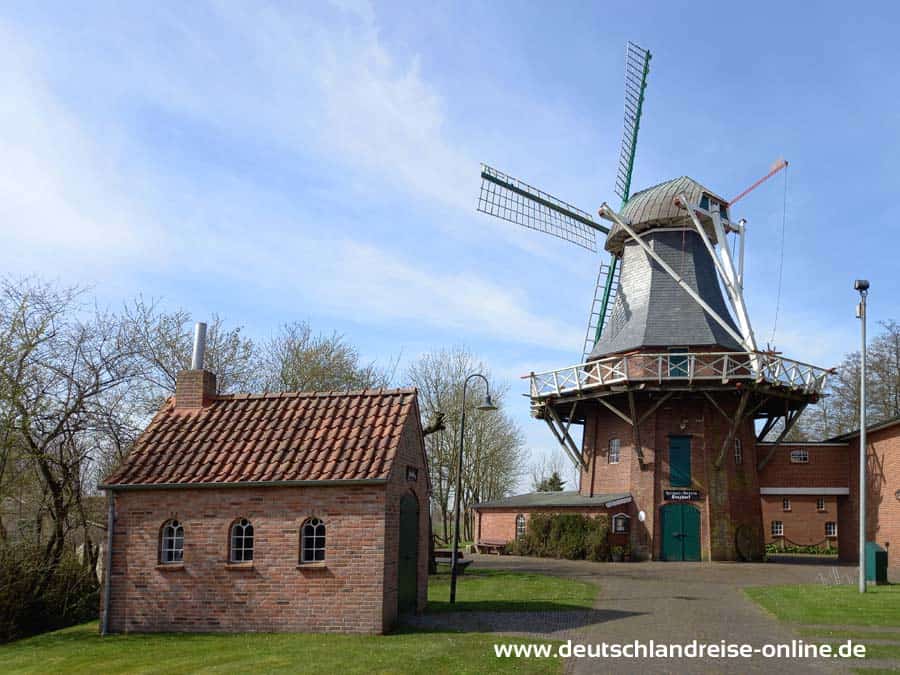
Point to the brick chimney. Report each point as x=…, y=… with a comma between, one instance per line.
x=195, y=388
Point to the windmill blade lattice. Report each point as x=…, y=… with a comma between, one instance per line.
x=518, y=202
x=637, y=66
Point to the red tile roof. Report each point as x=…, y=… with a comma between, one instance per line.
x=272, y=437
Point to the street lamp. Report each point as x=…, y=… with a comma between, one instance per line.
x=862, y=286
x=486, y=404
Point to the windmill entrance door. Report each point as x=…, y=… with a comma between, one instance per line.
x=680, y=532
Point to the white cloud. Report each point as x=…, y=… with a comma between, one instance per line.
x=89, y=203
x=57, y=188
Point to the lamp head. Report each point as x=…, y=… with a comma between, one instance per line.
x=861, y=285
x=487, y=403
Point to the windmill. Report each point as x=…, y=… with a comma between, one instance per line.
x=671, y=381
x=518, y=202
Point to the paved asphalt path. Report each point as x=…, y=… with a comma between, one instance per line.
x=666, y=602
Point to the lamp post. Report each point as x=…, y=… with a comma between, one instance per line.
x=487, y=404
x=862, y=286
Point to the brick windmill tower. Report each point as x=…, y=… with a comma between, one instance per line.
x=672, y=392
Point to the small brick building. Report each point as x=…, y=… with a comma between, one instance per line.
x=274, y=512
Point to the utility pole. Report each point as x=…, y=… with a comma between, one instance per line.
x=862, y=286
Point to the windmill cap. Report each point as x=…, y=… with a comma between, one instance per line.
x=655, y=207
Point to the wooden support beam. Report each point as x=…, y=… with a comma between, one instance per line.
x=616, y=411
x=635, y=429
x=717, y=406
x=732, y=431
x=788, y=425
x=767, y=427
x=653, y=408
x=565, y=440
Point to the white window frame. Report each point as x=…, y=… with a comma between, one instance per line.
x=799, y=456
x=240, y=542
x=614, y=455
x=312, y=541
x=831, y=525
x=621, y=518
x=777, y=528
x=171, y=543
x=785, y=503
x=520, y=526
x=820, y=504
x=738, y=451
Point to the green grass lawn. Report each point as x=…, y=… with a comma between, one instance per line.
x=837, y=605
x=501, y=591
x=81, y=650
x=852, y=615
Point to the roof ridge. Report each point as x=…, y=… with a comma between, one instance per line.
x=316, y=394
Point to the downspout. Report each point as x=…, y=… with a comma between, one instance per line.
x=107, y=565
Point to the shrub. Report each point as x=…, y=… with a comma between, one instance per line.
x=69, y=597
x=814, y=549
x=562, y=535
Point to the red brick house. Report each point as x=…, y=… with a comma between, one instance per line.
x=272, y=512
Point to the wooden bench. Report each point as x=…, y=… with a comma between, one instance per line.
x=445, y=557
x=491, y=546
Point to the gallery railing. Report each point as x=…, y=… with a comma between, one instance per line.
x=680, y=367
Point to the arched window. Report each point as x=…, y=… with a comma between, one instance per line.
x=241, y=541
x=312, y=541
x=620, y=523
x=171, y=545
x=520, y=526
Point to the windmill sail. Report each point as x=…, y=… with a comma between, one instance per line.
x=595, y=319
x=637, y=67
x=518, y=202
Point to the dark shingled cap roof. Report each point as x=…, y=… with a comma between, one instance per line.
x=266, y=438
x=655, y=207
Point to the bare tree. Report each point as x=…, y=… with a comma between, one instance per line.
x=548, y=464
x=163, y=342
x=60, y=359
x=296, y=359
x=494, y=456
x=837, y=411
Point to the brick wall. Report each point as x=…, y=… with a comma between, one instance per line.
x=729, y=495
x=410, y=453
x=804, y=524
x=274, y=593
x=828, y=466
x=882, y=506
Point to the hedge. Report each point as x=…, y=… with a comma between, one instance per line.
x=70, y=597
x=569, y=536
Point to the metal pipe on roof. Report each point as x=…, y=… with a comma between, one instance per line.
x=199, y=346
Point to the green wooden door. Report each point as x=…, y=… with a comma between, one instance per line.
x=680, y=461
x=408, y=563
x=690, y=526
x=680, y=532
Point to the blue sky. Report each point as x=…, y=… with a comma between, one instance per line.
x=320, y=161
